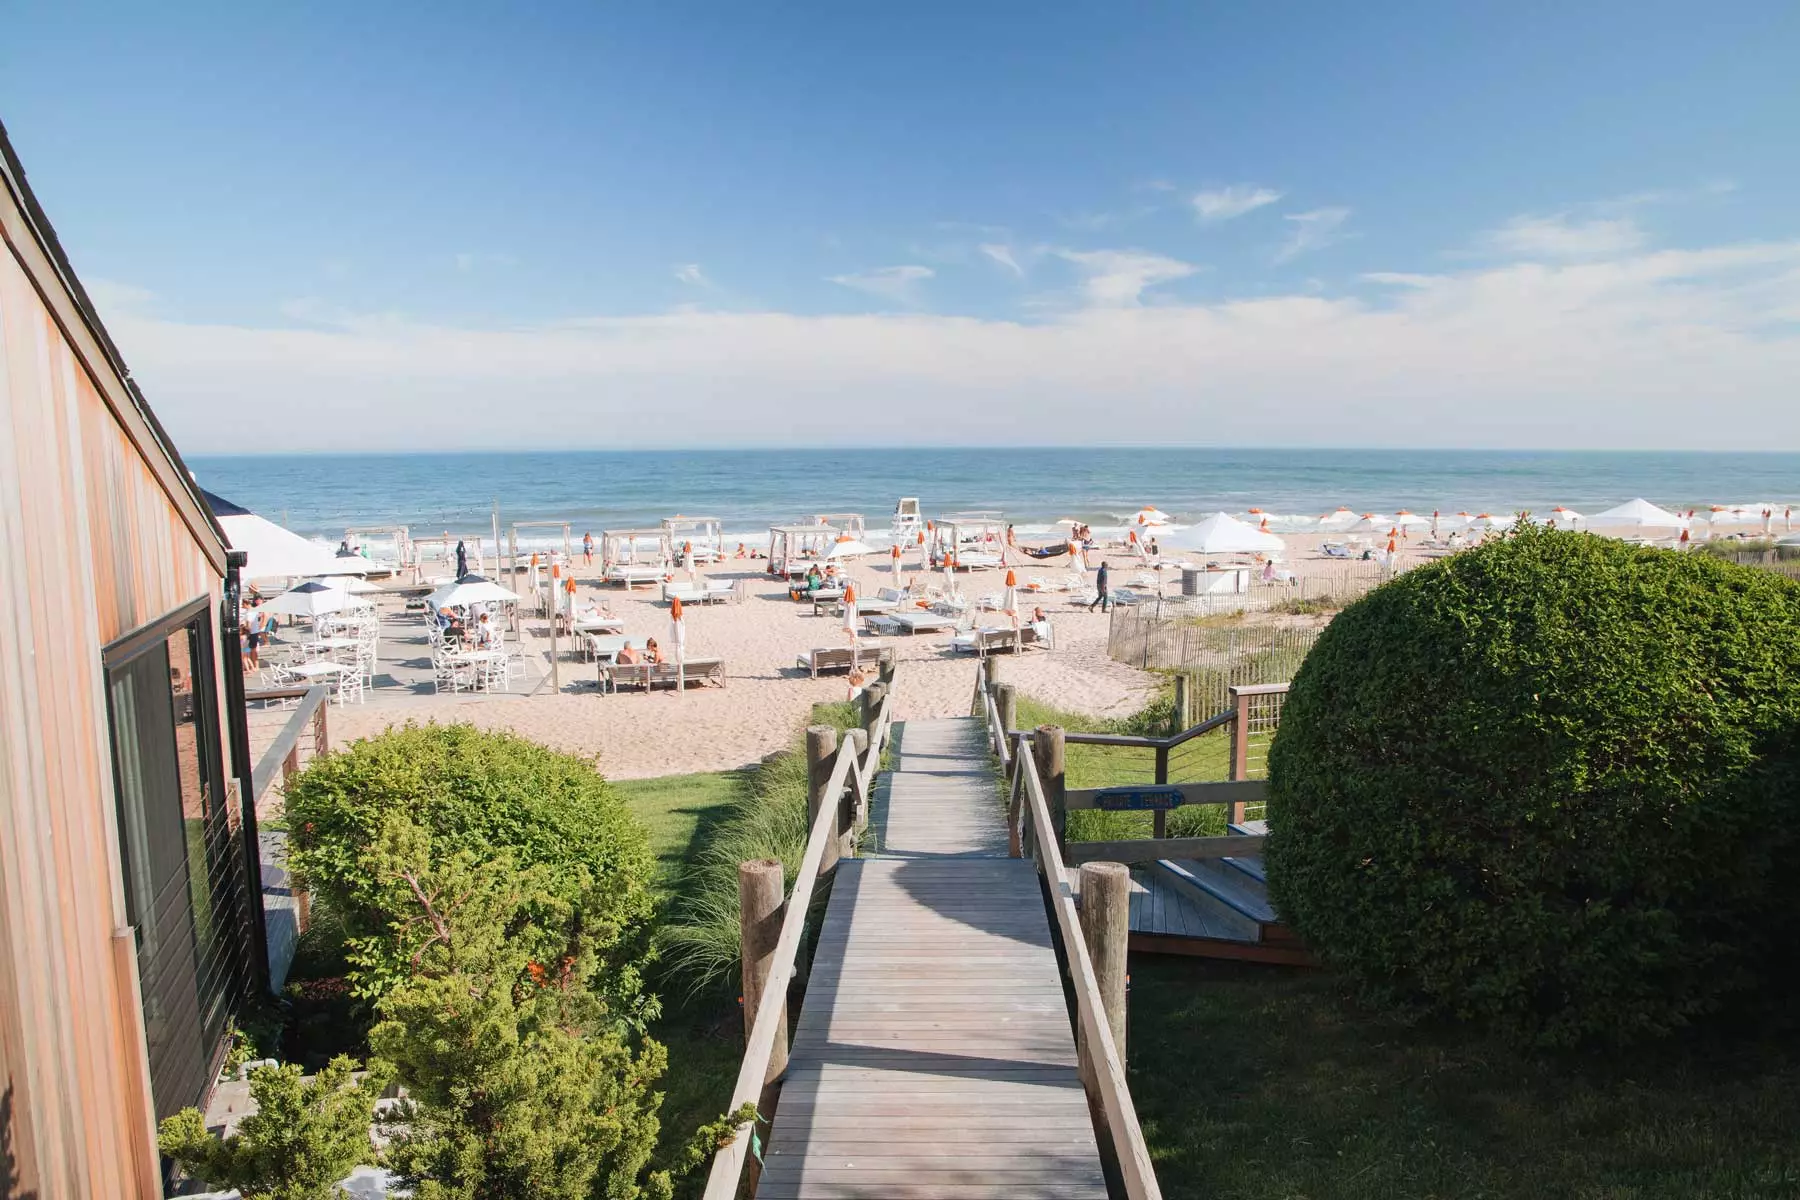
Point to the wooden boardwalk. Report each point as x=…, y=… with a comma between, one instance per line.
x=933, y=1056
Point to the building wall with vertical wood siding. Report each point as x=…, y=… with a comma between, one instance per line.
x=94, y=542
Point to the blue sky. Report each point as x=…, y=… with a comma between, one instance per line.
x=652, y=215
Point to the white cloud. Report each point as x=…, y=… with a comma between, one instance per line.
x=1560, y=236
x=691, y=274
x=1119, y=278
x=1004, y=256
x=1631, y=352
x=1222, y=204
x=1312, y=231
x=899, y=284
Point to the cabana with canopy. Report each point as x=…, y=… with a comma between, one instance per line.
x=843, y=522
x=706, y=533
x=973, y=540
x=398, y=537
x=793, y=547
x=634, y=556
x=440, y=550
x=511, y=566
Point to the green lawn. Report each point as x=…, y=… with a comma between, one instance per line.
x=1266, y=1083
x=678, y=812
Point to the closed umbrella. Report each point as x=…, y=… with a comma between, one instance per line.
x=687, y=561
x=311, y=600
x=850, y=611
x=894, y=556
x=678, y=643
x=1009, y=602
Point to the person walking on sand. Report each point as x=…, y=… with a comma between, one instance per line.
x=1102, y=589
x=587, y=547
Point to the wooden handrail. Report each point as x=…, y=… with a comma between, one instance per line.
x=728, y=1164
x=1107, y=1076
x=268, y=767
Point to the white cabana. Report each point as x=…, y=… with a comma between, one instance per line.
x=1637, y=514
x=473, y=589
x=274, y=552
x=312, y=599
x=1223, y=533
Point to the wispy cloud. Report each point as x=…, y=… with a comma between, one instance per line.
x=470, y=260
x=1003, y=255
x=1119, y=278
x=899, y=284
x=1562, y=236
x=1222, y=204
x=1312, y=231
x=1553, y=353
x=692, y=275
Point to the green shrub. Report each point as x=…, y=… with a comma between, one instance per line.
x=522, y=1084
x=483, y=793
x=1550, y=782
x=302, y=1138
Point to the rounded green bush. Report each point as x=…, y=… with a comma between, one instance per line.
x=1552, y=783
x=482, y=792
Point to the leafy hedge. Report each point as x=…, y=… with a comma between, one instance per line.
x=1552, y=782
x=481, y=792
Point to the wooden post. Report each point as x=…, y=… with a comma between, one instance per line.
x=1049, y=752
x=1183, y=700
x=1240, y=747
x=1106, y=927
x=991, y=665
x=821, y=743
x=872, y=697
x=858, y=741
x=1006, y=701
x=761, y=908
x=885, y=672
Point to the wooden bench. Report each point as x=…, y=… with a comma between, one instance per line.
x=843, y=658
x=997, y=641
x=613, y=676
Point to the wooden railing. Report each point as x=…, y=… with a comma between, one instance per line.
x=1032, y=832
x=842, y=811
x=283, y=756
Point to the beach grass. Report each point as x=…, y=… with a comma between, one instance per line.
x=1270, y=1083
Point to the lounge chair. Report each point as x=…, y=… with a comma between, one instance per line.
x=995, y=639
x=843, y=658
x=632, y=576
x=915, y=620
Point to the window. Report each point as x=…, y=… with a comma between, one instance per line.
x=183, y=859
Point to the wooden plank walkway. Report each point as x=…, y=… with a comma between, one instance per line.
x=933, y=1056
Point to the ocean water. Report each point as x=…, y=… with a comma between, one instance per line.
x=322, y=495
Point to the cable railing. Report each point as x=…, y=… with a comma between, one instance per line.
x=842, y=811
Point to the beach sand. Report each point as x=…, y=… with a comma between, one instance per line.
x=767, y=698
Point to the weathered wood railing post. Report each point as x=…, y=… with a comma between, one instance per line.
x=858, y=742
x=1183, y=701
x=1006, y=701
x=1049, y=753
x=1240, y=746
x=1106, y=928
x=872, y=697
x=884, y=673
x=760, y=912
x=991, y=671
x=821, y=743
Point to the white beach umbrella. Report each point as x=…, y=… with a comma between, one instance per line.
x=273, y=551
x=1407, y=520
x=1150, y=515
x=1637, y=514
x=1485, y=521
x=848, y=547
x=311, y=599
x=1373, y=523
x=474, y=589
x=1342, y=518
x=1566, y=518
x=356, y=585
x=1223, y=533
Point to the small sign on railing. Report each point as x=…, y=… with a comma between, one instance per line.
x=1150, y=798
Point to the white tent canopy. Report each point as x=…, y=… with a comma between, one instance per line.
x=312, y=599
x=471, y=589
x=1638, y=514
x=1223, y=533
x=273, y=551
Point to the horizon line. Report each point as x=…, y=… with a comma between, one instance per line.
x=939, y=448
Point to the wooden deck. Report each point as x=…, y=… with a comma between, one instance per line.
x=933, y=1056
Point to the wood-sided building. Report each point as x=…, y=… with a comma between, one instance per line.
x=129, y=929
